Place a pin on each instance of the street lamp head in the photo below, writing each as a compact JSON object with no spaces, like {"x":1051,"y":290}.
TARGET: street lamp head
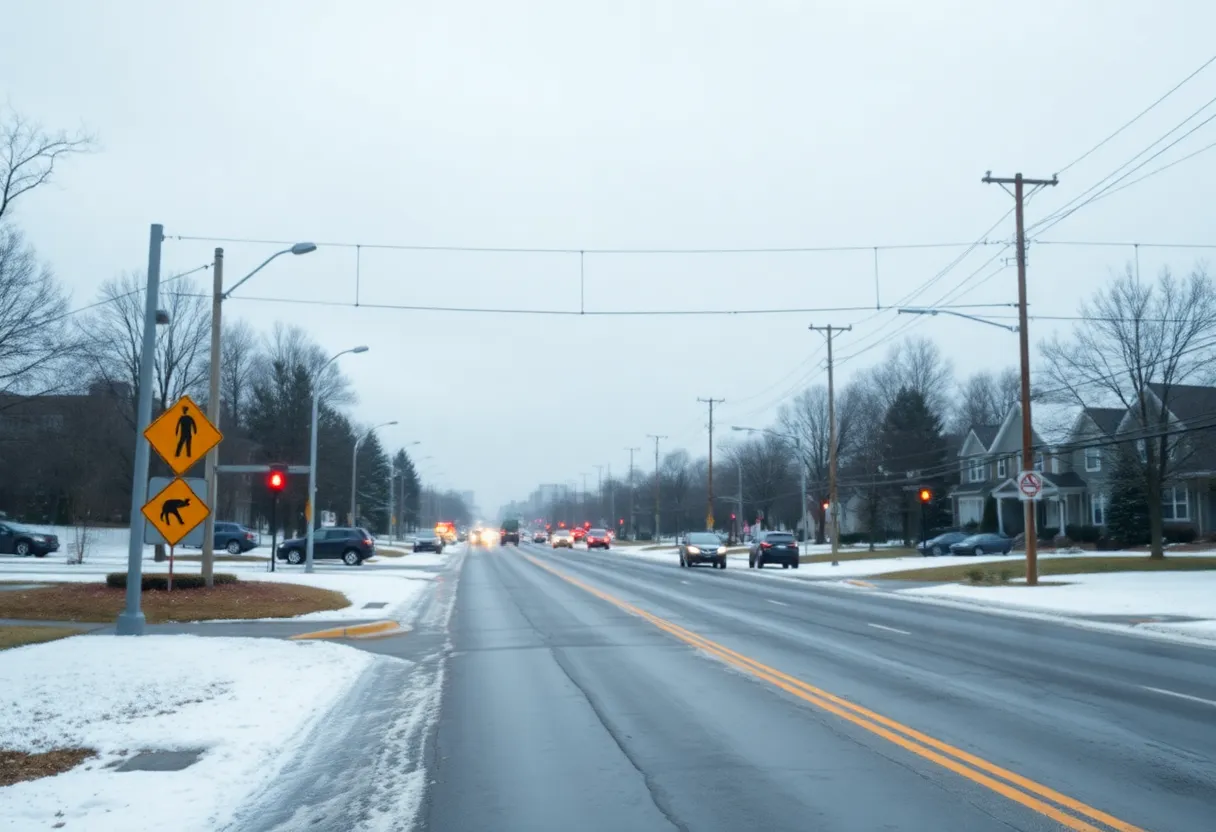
{"x":303,"y":248}
{"x":736,"y":427}
{"x":359,"y":349}
{"x":162,"y":317}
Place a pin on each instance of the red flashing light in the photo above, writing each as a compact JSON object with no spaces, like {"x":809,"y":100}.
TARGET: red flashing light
{"x":925,"y":495}
{"x":276,"y":481}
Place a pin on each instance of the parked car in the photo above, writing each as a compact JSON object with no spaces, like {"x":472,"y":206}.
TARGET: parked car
{"x":539,"y":537}
{"x":598,"y":539}
{"x":352,"y":545}
{"x":941,"y":544}
{"x":563,"y":538}
{"x":983,"y":544}
{"x":16,"y":539}
{"x":234,"y":537}
{"x":428,"y":542}
{"x":702,"y":547}
{"x":773,"y":547}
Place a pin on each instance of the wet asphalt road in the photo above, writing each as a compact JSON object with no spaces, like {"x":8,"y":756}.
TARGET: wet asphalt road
{"x":563,"y":711}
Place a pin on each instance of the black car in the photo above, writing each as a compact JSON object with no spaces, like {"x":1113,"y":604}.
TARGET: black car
{"x":773,"y":547}
{"x":234,"y":537}
{"x":702,"y":547}
{"x":352,"y":545}
{"x":428,"y":542}
{"x":983,"y":544}
{"x":16,"y":539}
{"x":941,"y":544}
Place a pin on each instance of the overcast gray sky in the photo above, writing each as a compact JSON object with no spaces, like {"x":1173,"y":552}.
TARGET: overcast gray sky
{"x":580,"y":125}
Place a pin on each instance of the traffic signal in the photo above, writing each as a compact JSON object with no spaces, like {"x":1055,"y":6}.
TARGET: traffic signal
{"x":925,"y":495}
{"x":825,"y":505}
{"x":732,"y":515}
{"x":276,"y":480}
{"x":621,"y":522}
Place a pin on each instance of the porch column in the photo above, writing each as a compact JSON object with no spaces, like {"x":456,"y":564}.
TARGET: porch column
{"x":1000,"y":514}
{"x":1062,"y":501}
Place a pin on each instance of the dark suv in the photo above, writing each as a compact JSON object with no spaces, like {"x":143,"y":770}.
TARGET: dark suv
{"x":352,"y":545}
{"x":773,"y":547}
{"x":234,"y":537}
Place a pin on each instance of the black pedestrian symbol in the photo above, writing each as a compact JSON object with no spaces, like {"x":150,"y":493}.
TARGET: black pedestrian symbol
{"x":186,"y":428}
{"x":171,"y":508}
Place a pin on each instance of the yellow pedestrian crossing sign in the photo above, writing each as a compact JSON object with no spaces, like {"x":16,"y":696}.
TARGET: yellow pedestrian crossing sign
{"x":182,"y":435}
{"x":176,"y":511}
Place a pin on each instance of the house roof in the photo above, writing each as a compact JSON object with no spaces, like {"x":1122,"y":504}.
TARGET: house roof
{"x":985,"y":433}
{"x":1189,"y":403}
{"x":1106,"y":418}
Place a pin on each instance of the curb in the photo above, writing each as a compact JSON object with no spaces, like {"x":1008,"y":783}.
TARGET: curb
{"x":862,"y":584}
{"x":375,"y":629}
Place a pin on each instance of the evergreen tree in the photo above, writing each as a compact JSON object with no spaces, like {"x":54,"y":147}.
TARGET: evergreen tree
{"x":1127,"y":520}
{"x":913,"y":453}
{"x":990,"y":524}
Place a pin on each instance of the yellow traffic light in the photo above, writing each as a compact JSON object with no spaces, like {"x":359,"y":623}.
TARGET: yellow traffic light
{"x":925,"y":495}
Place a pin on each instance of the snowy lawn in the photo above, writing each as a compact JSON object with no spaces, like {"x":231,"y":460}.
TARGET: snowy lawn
{"x":1113,"y":593}
{"x":224,"y":696}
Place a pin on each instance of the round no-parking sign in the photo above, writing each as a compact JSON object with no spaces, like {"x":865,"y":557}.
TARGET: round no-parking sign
{"x":1030,"y":485}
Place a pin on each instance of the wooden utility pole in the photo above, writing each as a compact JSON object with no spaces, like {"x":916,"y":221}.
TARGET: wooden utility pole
{"x":833,"y":504}
{"x":656,"y":483}
{"x":1031,"y":510}
{"x":709,"y":501}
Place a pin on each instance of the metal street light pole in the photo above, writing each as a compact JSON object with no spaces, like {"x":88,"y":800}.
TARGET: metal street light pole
{"x":131,"y":619}
{"x":354,"y":469}
{"x":312,"y":456}
{"x":218,"y":296}
{"x":633,"y":522}
{"x":919,"y":310}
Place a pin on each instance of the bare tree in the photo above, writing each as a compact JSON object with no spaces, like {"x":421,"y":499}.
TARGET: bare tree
{"x":114,"y":335}
{"x":1137,"y":344}
{"x":294,"y":347}
{"x":860,"y":462}
{"x":916,"y":363}
{"x":768,"y":472}
{"x":238,"y":363}
{"x":28,"y":154}
{"x":985,"y":398}
{"x":34,"y":332}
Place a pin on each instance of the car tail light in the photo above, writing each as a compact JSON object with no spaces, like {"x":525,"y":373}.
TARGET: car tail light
{"x":249,"y":535}
{"x":766,"y":545}
{"x":367,"y":541}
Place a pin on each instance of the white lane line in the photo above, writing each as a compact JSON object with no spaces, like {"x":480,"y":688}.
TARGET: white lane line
{"x":1164,"y":692}
{"x":890,"y":629}
{"x":683,"y":581}
{"x":778,"y":603}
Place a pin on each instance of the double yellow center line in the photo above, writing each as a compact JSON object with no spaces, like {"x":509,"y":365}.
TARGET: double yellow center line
{"x":1022,"y":790}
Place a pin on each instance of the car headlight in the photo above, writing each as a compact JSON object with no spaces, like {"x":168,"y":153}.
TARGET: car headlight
{"x":693,"y":550}
{"x":721,"y":550}
{"x":38,"y":538}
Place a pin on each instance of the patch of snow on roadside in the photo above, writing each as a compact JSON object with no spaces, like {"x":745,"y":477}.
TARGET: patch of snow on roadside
{"x":121,"y":695}
{"x":1117,"y":593}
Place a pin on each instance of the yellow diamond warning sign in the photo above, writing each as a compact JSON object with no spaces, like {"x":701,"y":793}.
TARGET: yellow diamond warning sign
{"x":182,"y":435}
{"x":175,"y":511}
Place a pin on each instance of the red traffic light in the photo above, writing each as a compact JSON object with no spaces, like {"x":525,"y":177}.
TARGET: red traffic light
{"x":825,"y":505}
{"x":276,"y":480}
{"x":621,"y":522}
{"x":586,"y":525}
{"x":925,"y":495}
{"x":732,"y":515}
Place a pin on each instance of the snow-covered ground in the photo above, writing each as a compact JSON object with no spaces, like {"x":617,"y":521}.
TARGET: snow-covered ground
{"x":224,"y":696}
{"x":379,"y":580}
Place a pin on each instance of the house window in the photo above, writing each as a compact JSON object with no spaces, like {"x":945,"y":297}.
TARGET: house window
{"x":1055,"y":465}
{"x":1097,"y":509}
{"x":1038,"y":462}
{"x":976,"y":472}
{"x":1174,"y":503}
{"x":1001,"y":466}
{"x":1093,"y":459}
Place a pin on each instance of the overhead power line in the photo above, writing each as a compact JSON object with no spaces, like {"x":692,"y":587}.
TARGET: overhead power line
{"x":1140,"y":114}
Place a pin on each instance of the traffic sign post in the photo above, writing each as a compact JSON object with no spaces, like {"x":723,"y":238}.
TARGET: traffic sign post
{"x":182,"y":435}
{"x":175,"y":511}
{"x":1030,"y":485}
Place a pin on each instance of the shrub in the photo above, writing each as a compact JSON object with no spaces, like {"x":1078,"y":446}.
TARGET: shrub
{"x":1061,"y":541}
{"x":853,"y":538}
{"x":1006,"y":575}
{"x":971,"y":527}
{"x":975,"y":575}
{"x":1109,"y":544}
{"x":1179,"y":534}
{"x":159,"y":582}
{"x":1083,"y":534}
